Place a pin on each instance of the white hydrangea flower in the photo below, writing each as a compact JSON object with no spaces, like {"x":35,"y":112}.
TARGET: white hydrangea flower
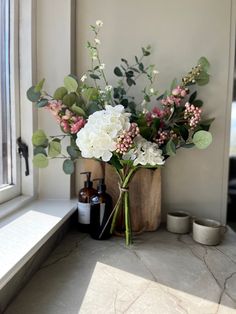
{"x":98,"y":137}
{"x":147,"y":153}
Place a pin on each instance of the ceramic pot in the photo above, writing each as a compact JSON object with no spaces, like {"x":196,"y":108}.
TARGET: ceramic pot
{"x":208,"y":231}
{"x":178,"y":222}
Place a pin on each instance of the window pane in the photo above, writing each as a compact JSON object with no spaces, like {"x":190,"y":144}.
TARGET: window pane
{"x":5,"y":112}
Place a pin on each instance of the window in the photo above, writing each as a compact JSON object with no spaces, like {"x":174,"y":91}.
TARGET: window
{"x":9,"y":125}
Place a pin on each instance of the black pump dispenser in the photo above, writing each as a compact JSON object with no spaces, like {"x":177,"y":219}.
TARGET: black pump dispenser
{"x":88,"y":183}
{"x":101,"y":209}
{"x":101,"y":188}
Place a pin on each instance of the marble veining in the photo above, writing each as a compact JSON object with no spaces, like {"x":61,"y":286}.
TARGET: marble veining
{"x":160,"y":273}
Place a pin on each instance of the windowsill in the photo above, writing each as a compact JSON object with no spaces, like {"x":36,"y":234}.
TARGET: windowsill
{"x":24,"y":232}
{"x":11,"y":206}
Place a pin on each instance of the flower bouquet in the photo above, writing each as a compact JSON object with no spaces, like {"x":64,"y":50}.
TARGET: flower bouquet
{"x":106,"y":123}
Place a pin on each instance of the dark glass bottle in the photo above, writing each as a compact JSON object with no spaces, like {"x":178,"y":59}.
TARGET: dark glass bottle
{"x":84,"y":206}
{"x":101,"y":209}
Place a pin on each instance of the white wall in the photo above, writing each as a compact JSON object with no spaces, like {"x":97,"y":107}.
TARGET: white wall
{"x":179,"y":32}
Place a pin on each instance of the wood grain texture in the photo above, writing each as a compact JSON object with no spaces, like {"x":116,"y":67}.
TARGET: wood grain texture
{"x":145,"y":197}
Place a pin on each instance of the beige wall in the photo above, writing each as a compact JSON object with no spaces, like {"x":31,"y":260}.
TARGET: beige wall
{"x":179,"y":32}
{"x":54,"y":50}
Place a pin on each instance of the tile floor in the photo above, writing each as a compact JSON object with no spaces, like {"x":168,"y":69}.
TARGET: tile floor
{"x":160,"y":273}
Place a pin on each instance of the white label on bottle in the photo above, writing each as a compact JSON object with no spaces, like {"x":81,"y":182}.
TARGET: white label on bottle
{"x":84,"y":213}
{"x":102,"y":211}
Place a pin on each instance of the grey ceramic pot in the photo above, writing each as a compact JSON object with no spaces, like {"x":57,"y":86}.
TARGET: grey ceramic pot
{"x":208,"y":231}
{"x":178,"y":222}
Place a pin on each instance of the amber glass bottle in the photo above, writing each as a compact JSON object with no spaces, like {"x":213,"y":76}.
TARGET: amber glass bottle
{"x":84,"y":203}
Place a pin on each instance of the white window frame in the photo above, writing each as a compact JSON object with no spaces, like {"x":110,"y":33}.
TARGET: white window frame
{"x":25,"y":70}
{"x":10,"y":191}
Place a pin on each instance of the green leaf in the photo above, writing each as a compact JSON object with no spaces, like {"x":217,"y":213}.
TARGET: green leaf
{"x":189,"y":145}
{"x":183,"y":132}
{"x":54,"y":148}
{"x":39,"y":138}
{"x":32,"y":95}
{"x":170,"y":148}
{"x":130,"y":81}
{"x":125,"y":61}
{"x":117,"y":72}
{"x":197,"y":103}
{"x":192,"y":97}
{"x":124,"y":102}
{"x":38,"y":87}
{"x":94,"y":76}
{"x":129,"y":74}
{"x":92,"y":107}
{"x":42,"y":103}
{"x":40,"y":150}
{"x":203,"y":78}
{"x":147,"y":98}
{"x":141,"y":67}
{"x":78,"y":110}
{"x":145,"y":52}
{"x":202,"y":139}
{"x":70,"y":84}
{"x":69,"y":99}
{"x":68,"y":166}
{"x":204,"y":63}
{"x":40,"y":161}
{"x":73,"y":152}
{"x":174,"y":83}
{"x":136,"y":59}
{"x":90,"y":93}
{"x":114,"y":161}
{"x":207,"y":122}
{"x":60,"y":93}
{"x":146,"y":132}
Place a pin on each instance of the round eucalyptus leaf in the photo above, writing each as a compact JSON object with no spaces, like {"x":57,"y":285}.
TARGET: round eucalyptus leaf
{"x":38,"y":87}
{"x":40,"y":161}
{"x":32,"y":95}
{"x":40,"y":150}
{"x":69,"y":99}
{"x":204,"y":63}
{"x":60,"y":93}
{"x":70,"y":84}
{"x":68,"y":166}
{"x":73,"y":152}
{"x":39,"y":138}
{"x":42,"y":103}
{"x":54,"y":148}
{"x":202,"y":139}
{"x":79,"y":111}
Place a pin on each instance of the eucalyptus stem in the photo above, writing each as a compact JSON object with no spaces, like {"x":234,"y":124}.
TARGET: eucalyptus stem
{"x":128,"y":237}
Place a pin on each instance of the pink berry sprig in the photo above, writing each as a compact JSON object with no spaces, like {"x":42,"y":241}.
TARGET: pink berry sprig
{"x":125,"y":140}
{"x":192,"y":114}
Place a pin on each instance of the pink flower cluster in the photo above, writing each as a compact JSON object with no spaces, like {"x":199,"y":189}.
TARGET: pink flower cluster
{"x":69,"y":121}
{"x":156,"y":113}
{"x":192,"y":114}
{"x":163,"y":136}
{"x":125,"y":140}
{"x":177,"y":94}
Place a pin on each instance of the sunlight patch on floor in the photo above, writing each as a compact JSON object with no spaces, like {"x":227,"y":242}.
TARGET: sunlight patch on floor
{"x":112,"y":290}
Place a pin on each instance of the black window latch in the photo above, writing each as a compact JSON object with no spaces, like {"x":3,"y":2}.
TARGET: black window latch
{"x":23,"y":151}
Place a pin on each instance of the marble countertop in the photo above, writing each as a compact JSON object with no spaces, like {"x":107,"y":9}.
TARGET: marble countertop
{"x":160,"y":273}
